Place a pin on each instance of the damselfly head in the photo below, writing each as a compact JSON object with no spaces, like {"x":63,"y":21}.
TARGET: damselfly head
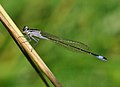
{"x":25,"y":28}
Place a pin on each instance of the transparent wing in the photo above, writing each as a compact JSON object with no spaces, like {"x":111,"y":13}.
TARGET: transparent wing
{"x":73,"y":45}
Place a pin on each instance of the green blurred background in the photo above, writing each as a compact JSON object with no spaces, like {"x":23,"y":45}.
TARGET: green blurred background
{"x":94,"y":22}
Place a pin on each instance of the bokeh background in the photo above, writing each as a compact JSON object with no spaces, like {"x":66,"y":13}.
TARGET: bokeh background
{"x":94,"y":22}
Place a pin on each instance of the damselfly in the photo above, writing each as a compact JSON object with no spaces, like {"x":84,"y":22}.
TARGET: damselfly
{"x":34,"y":34}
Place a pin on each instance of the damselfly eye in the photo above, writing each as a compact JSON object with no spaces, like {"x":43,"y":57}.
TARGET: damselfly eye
{"x":25,"y":28}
